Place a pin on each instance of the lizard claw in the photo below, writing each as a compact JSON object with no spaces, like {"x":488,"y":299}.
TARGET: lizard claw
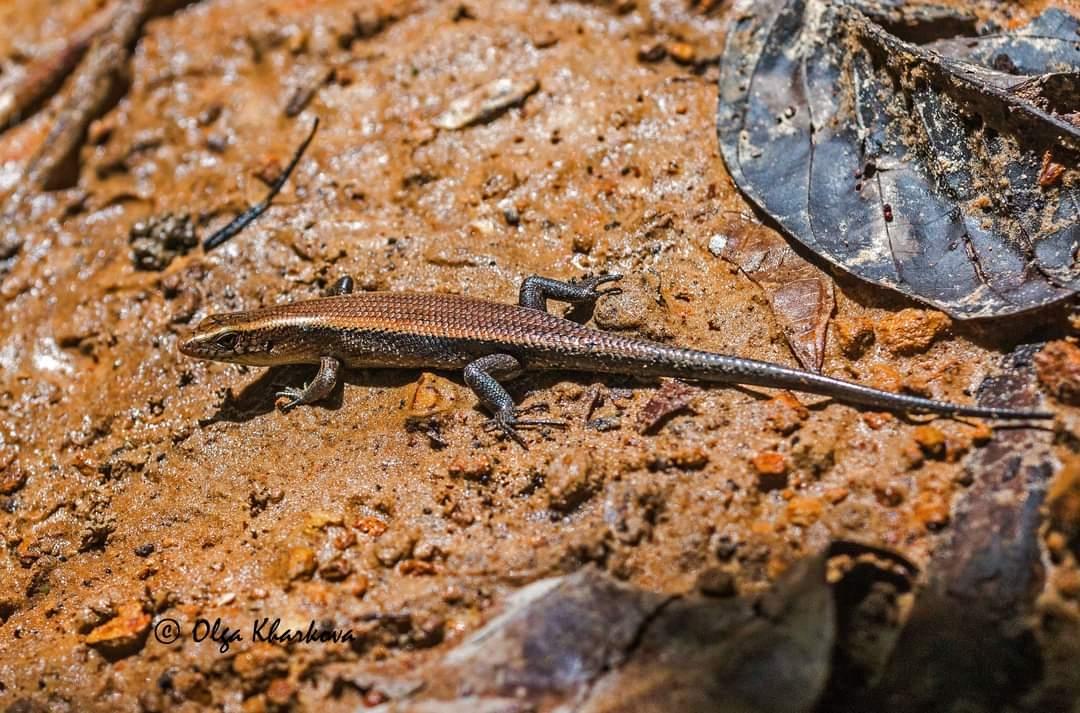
{"x":295,"y":396}
{"x":509,"y":424}
{"x":591,"y":283}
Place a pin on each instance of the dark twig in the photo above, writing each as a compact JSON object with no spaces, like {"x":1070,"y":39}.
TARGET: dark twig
{"x":248,"y":216}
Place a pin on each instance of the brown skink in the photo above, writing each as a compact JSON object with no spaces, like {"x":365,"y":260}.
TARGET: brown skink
{"x":493,"y":342}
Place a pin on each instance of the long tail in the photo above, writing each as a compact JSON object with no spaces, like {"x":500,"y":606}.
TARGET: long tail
{"x":640,"y":357}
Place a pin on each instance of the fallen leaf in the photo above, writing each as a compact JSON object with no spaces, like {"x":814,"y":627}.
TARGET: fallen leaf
{"x":914,"y":167}
{"x":587,"y":642}
{"x":672,"y":397}
{"x":800,"y":294}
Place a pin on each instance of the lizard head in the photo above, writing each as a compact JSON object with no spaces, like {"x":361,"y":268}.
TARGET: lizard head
{"x":233,"y":338}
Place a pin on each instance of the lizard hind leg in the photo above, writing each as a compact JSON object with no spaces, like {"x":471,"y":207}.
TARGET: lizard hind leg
{"x":483,"y":376}
{"x":536,"y":291}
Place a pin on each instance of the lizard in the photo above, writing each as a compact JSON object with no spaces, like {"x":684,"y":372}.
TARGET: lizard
{"x":492,"y":342}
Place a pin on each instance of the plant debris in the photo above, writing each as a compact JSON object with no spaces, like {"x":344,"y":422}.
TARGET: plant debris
{"x":485,"y":103}
{"x":672,"y":397}
{"x":915,"y":167}
{"x":594,"y":644}
{"x":800,"y":294}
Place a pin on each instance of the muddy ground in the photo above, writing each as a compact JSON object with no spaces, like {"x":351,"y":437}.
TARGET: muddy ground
{"x":140,"y":485}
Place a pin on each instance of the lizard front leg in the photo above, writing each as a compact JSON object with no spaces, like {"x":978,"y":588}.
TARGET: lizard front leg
{"x":329,"y":367}
{"x":319,"y":388}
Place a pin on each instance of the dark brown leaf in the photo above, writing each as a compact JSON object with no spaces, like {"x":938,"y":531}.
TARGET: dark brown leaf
{"x":586,"y":642}
{"x":914,"y":167}
{"x":672,"y":397}
{"x":731,"y":655}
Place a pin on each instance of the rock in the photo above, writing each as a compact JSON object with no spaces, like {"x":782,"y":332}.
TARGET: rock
{"x":299,"y":563}
{"x":771,"y":469}
{"x":786,"y":413}
{"x":261,"y":661}
{"x":652,"y":52}
{"x":886,"y":377}
{"x":715,"y":582}
{"x":836,"y":495}
{"x":280,"y":692}
{"x":417,"y":568}
{"x":931,"y":510}
{"x":317,"y":521}
{"x":875,"y":420}
{"x":889,"y":493}
{"x":122,"y":635}
{"x":475,"y":467}
{"x":854,"y":335}
{"x":335,"y":570}
{"x":360,"y":585}
{"x":930,"y":440}
{"x":911,"y":331}
{"x":1063,"y":505}
{"x":687,"y":456}
{"x":1058,"y":369}
{"x":370,"y":526}
{"x":804,"y":511}
{"x":681,"y":52}
{"x":568,"y":480}
{"x":11,"y":480}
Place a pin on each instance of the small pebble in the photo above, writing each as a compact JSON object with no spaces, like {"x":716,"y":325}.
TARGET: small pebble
{"x":804,"y":511}
{"x":335,"y":570}
{"x":124,"y":632}
{"x":652,"y":53}
{"x":888,"y":493}
{"x":875,"y":420}
{"x":715,"y":582}
{"x":930,"y":440}
{"x":1058,"y":368}
{"x":370,"y":526}
{"x":299,"y":563}
{"x":771,"y":469}
{"x":931,"y":510}
{"x":681,"y":52}
{"x":475,"y":467}
{"x":835,"y":495}
{"x":417,"y":568}
{"x":786,"y":413}
{"x":854,"y":335}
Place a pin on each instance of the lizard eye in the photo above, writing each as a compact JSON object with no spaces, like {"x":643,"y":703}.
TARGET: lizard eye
{"x":227,"y":341}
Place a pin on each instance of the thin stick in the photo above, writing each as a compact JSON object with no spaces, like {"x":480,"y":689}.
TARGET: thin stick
{"x":248,"y":216}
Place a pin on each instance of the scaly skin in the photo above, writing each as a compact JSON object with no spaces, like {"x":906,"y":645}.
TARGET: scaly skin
{"x":490,"y":340}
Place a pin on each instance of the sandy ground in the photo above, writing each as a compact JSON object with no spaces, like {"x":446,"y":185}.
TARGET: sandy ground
{"x":139,"y":484}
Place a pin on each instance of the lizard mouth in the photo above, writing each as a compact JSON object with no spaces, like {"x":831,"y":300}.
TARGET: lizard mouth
{"x":193,"y":347}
